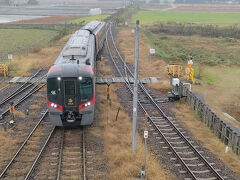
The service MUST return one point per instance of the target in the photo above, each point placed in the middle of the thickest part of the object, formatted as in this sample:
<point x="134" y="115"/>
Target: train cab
<point x="70" y="97"/>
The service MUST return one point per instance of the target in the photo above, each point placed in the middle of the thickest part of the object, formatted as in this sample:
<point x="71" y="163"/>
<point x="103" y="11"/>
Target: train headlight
<point x="59" y="78"/>
<point x="80" y="78"/>
<point x="53" y="105"/>
<point x="87" y="104"/>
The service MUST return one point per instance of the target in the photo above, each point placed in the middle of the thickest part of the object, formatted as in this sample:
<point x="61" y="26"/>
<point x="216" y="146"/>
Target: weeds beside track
<point x="193" y="164"/>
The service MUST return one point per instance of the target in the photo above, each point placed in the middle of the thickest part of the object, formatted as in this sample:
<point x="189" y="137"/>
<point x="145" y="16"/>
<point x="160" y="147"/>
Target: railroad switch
<point x="174" y="94"/>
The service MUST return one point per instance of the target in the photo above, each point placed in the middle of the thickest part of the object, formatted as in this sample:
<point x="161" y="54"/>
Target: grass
<point x="34" y="106"/>
<point x="33" y="114"/>
<point x="104" y="69"/>
<point x="87" y="19"/>
<point x="41" y="59"/>
<point x="203" y="49"/>
<point x="163" y="86"/>
<point x="185" y="114"/>
<point x="19" y="114"/>
<point x="7" y="145"/>
<point x="149" y="67"/>
<point x="221" y="18"/>
<point x="124" y="164"/>
<point x="209" y="78"/>
<point x="27" y="155"/>
<point x="17" y="40"/>
<point x="216" y="65"/>
<point x="222" y="90"/>
<point x="219" y="85"/>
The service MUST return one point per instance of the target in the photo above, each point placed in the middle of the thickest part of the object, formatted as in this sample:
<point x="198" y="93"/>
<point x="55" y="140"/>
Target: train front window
<point x="85" y="89"/>
<point x="53" y="87"/>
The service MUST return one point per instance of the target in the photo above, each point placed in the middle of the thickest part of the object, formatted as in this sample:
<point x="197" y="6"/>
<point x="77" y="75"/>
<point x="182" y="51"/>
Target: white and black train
<point x="71" y="79"/>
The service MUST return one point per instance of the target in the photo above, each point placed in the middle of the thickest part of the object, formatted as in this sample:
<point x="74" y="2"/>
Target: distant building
<point x="18" y="2"/>
<point x="95" y="11"/>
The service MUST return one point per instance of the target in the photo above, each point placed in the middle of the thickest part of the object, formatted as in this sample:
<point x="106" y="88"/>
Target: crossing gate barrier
<point x="174" y="70"/>
<point x="4" y="70"/>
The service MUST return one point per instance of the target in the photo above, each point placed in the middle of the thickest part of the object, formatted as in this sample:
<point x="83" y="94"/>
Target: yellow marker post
<point x="4" y="70"/>
<point x="174" y="70"/>
<point x="190" y="74"/>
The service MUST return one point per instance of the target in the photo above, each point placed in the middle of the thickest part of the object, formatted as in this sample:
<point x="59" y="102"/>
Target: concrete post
<point x="135" y="93"/>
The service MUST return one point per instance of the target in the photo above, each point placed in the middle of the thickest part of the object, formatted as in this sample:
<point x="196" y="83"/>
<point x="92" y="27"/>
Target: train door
<point x="70" y="93"/>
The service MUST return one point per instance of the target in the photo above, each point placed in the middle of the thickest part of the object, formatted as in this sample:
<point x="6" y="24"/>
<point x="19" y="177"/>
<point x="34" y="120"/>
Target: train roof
<point x="70" y="70"/>
<point x="80" y="43"/>
<point x="78" y="51"/>
<point x="93" y="26"/>
<point x="77" y="44"/>
<point x="78" y="48"/>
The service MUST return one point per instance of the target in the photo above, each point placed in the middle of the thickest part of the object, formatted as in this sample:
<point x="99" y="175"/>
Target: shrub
<point x="183" y="57"/>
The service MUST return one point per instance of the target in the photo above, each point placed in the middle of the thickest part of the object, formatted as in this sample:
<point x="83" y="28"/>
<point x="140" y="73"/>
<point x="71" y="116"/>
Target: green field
<point x="89" y="18"/>
<point x="203" y="49"/>
<point x="18" y="40"/>
<point x="185" y="17"/>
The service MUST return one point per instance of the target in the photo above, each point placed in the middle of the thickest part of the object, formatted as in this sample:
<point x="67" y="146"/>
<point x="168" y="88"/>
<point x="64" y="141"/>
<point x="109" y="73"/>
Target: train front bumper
<point x="87" y="116"/>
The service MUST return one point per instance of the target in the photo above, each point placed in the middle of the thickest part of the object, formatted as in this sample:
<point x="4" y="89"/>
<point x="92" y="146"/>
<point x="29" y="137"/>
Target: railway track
<point x="20" y="89"/>
<point x="21" y="93"/>
<point x="72" y="153"/>
<point x="20" y="164"/>
<point x="190" y="161"/>
<point x="64" y="157"/>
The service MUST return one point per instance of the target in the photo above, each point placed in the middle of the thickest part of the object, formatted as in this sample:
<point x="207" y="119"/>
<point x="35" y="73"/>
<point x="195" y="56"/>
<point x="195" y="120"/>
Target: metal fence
<point x="224" y="130"/>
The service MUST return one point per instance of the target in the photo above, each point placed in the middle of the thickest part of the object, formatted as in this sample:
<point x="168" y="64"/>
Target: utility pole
<point x="135" y="93"/>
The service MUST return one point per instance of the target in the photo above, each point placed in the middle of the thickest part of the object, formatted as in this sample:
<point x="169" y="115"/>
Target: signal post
<point x="12" y="109"/>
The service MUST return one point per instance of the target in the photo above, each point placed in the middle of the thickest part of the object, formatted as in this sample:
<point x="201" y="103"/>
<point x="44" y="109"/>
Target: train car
<point x="71" y="79"/>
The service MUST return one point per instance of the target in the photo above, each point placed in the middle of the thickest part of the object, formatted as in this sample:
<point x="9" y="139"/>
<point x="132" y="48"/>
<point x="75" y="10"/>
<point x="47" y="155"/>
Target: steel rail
<point x="23" y="144"/>
<point x="31" y="92"/>
<point x="164" y="116"/>
<point x="40" y="154"/>
<point x="20" y="89"/>
<point x="60" y="156"/>
<point x="84" y="154"/>
<point x="125" y="79"/>
<point x="4" y="87"/>
<point x="145" y="112"/>
<point x="15" y="94"/>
